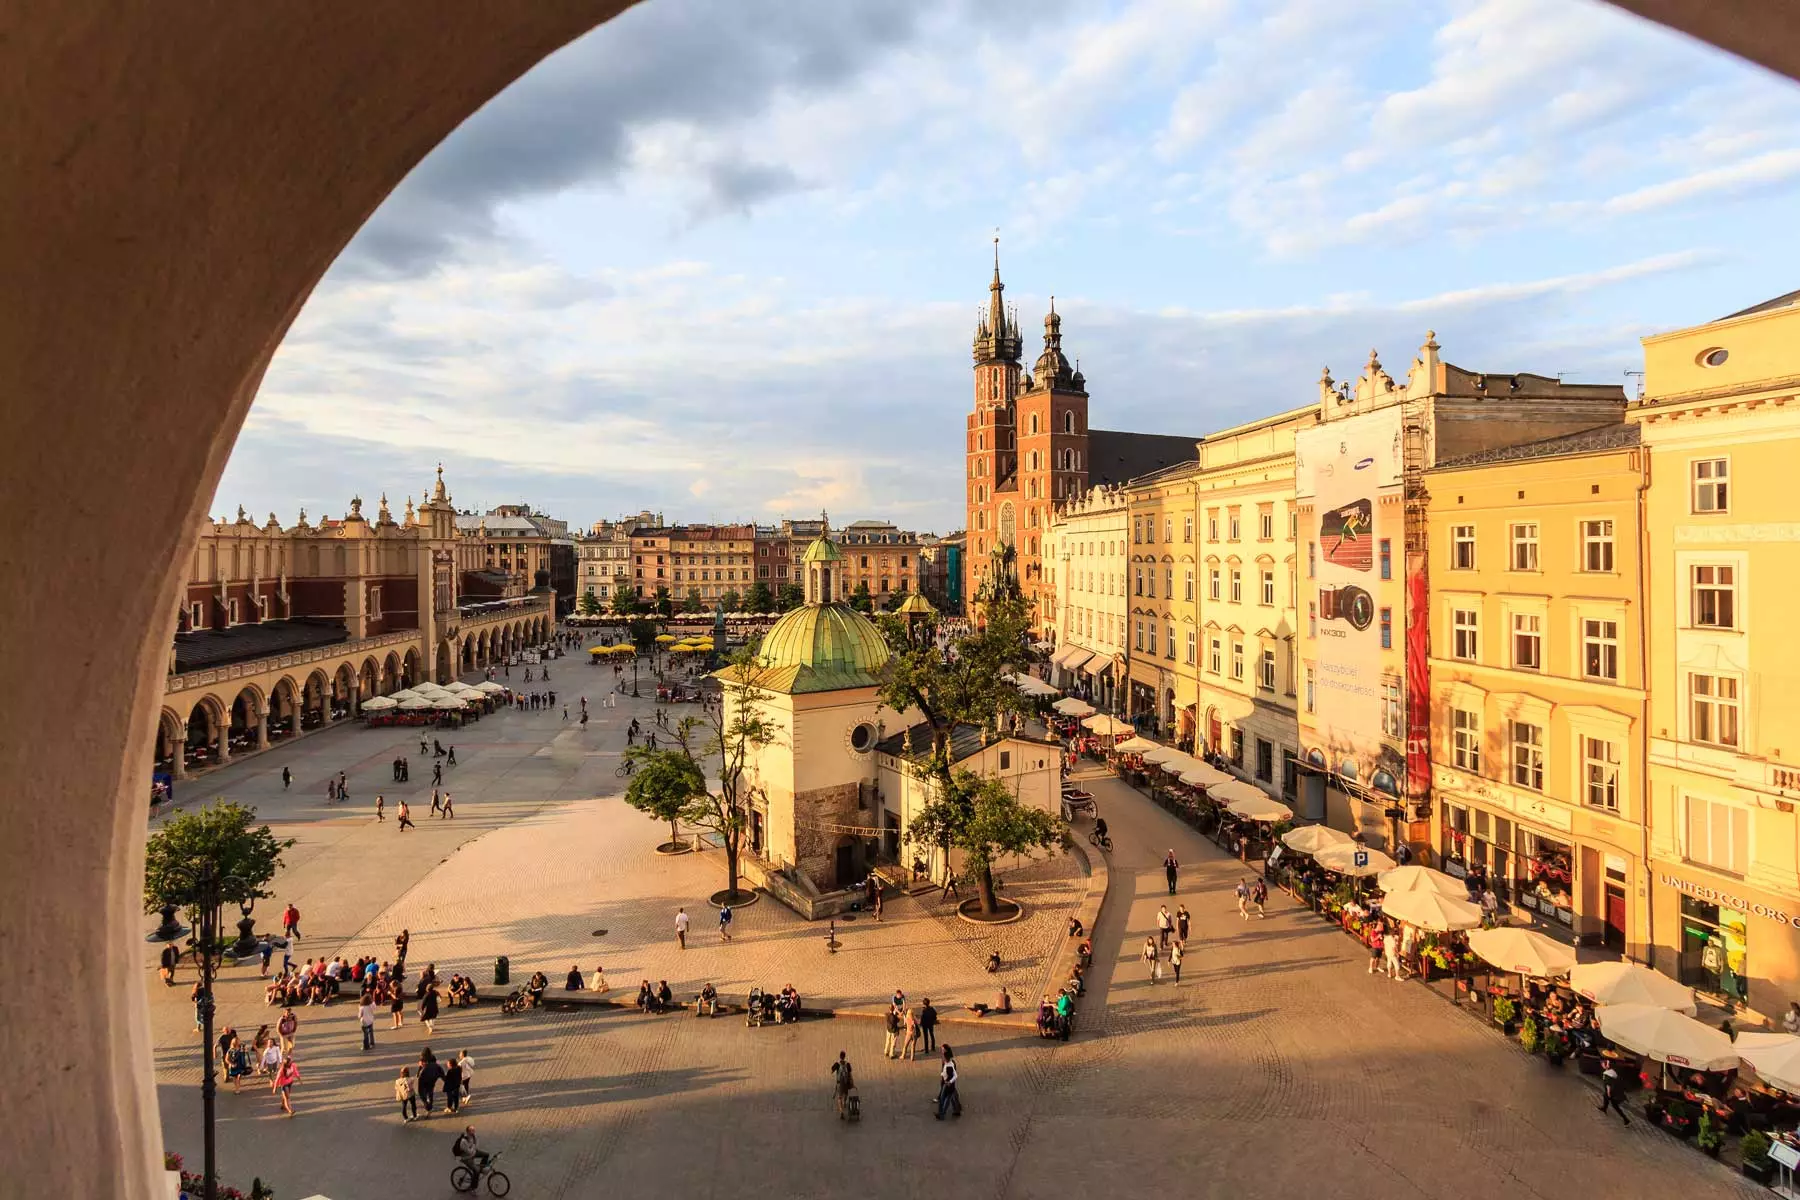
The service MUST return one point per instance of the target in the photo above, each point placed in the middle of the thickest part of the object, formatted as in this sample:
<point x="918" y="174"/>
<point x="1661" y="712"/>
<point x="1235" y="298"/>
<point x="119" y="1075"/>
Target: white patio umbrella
<point x="1137" y="745"/>
<point x="1624" y="983"/>
<point x="379" y="704"/>
<point x="1161" y="754"/>
<point x="1422" y="879"/>
<point x="1775" y="1056"/>
<point x="1069" y="706"/>
<point x="491" y="688"/>
<point x="1201" y="775"/>
<point x="1523" y="950"/>
<point x="1260" y="808"/>
<point x="1671" y="1037"/>
<point x="1106" y="726"/>
<point x="429" y="688"/>
<point x="416" y="704"/>
<point x="1310" y="839"/>
<point x="1234" y="790"/>
<point x="1428" y="910"/>
<point x="1177" y="764"/>
<point x="402" y="694"/>
<point x="459" y="688"/>
<point x="449" y="703"/>
<point x="1342" y="859"/>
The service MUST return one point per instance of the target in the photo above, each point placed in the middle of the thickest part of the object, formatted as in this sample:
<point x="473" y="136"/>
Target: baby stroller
<point x="755" y="1012"/>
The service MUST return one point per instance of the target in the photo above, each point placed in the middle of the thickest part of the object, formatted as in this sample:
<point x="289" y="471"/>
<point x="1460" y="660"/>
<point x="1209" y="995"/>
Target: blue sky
<point x="722" y="258"/>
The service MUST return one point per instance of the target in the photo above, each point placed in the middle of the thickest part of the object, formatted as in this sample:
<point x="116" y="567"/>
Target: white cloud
<point x="1777" y="166"/>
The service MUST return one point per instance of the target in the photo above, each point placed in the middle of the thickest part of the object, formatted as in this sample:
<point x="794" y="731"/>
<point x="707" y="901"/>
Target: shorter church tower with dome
<point x="834" y="790"/>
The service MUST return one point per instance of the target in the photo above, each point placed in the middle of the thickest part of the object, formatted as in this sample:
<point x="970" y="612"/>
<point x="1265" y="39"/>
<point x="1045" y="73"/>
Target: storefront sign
<point x="1727" y="900"/>
<point x="1553" y="815"/>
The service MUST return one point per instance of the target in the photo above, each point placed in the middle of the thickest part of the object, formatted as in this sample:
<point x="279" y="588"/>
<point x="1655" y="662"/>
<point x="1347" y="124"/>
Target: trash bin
<point x="502" y="970"/>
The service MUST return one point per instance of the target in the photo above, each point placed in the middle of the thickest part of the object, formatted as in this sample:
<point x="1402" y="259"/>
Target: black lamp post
<point x="204" y="892"/>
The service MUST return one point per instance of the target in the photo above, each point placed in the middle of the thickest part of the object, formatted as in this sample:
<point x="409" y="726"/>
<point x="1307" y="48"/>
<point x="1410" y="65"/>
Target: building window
<point x="1711" y="483"/>
<point x="1309" y="689"/>
<point x="1267" y="525"/>
<point x="1212" y="529"/>
<point x="1714" y="707"/>
<point x="231" y="613"/>
<point x="1237" y="660"/>
<point x="1528" y="755"/>
<point x="1311" y="560"/>
<point x="1528" y="641"/>
<point x="1237" y="587"/>
<point x="1212" y="584"/>
<point x="1169" y="530"/>
<point x="1600" y="649"/>
<point x="1718" y="835"/>
<point x="1597" y="546"/>
<point x="1151" y="647"/>
<point x="1265" y="760"/>
<point x="1137" y="581"/>
<point x="1465" y="740"/>
<point x="1600" y="770"/>
<point x="1266" y="671"/>
<point x="1168" y="583"/>
<point x="1192" y="646"/>
<point x="1715" y="597"/>
<point x="1187" y="529"/>
<point x="1268" y="588"/>
<point x="1187" y="582"/>
<point x="1392" y="709"/>
<point x="1462" y="547"/>
<point x="1387" y="558"/>
<point x="1312" y="619"/>
<point x="1137" y="634"/>
<point x="1006" y="760"/>
<point x="1214" y="661"/>
<point x="1137" y="531"/>
<point x="1237" y="747"/>
<point x="1525" y="546"/>
<point x="375" y="603"/>
<point x="1169" y="645"/>
<point x="1465" y="634"/>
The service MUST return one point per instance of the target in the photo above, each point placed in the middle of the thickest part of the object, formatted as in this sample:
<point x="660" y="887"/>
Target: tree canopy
<point x="731" y="600"/>
<point x="220" y="833"/>
<point x="588" y="605"/>
<point x="691" y="602"/>
<point x="759" y="599"/>
<point x="792" y="596"/>
<point x="664" y="785"/>
<point x="981" y="817"/>
<point x="862" y="600"/>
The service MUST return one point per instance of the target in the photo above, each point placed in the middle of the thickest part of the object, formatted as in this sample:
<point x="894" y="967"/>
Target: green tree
<point x="664" y="606"/>
<point x="731" y="600"/>
<point x="588" y="605"/>
<point x="860" y="599"/>
<point x="982" y="818"/>
<point x="665" y="783"/>
<point x="759" y="599"/>
<point x="643" y="634"/>
<point x="792" y="597"/>
<point x="624" y="601"/>
<point x="896" y="599"/>
<point x="730" y="736"/>
<point x="691" y="604"/>
<point x="220" y="833"/>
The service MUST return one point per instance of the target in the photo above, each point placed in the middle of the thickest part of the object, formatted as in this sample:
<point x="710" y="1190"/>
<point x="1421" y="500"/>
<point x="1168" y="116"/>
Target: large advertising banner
<point x="1344" y="467"/>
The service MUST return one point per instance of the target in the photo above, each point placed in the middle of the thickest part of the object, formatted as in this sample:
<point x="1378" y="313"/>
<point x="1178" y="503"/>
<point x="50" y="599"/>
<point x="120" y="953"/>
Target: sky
<point x="722" y="259"/>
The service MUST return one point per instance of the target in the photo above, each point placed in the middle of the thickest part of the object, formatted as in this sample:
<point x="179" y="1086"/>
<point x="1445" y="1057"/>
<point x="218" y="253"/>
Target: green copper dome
<point x="823" y="647"/>
<point x="822" y="550"/>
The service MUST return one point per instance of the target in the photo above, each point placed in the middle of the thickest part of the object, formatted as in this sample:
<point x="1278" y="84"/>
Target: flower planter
<point x="1761" y="1172"/>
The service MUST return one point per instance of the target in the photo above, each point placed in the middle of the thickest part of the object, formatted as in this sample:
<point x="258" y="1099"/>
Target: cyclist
<point x="472" y="1157"/>
<point x="1100" y="829"/>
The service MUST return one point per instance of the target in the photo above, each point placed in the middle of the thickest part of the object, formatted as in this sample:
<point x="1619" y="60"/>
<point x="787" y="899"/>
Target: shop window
<point x="1713" y="706"/>
<point x="1392" y="709"/>
<point x="1711" y="485"/>
<point x="1600" y="649"/>
<point x="1547" y="879"/>
<point x="1525" y="546"/>
<point x="1528" y="641"/>
<point x="1597" y="546"/>
<point x="1715" y="949"/>
<point x="1237" y="748"/>
<point x="1462" y="547"/>
<point x="1387" y="558"/>
<point x="1528" y="755"/>
<point x="1718" y="835"/>
<point x="1465" y="740"/>
<point x="1465" y="634"/>
<point x="1600" y="771"/>
<point x="1714" y="596"/>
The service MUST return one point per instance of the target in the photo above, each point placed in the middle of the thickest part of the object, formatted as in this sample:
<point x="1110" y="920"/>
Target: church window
<point x="1006" y="524"/>
<point x="1069" y="422"/>
<point x="1033" y="458"/>
<point x="1034" y="422"/>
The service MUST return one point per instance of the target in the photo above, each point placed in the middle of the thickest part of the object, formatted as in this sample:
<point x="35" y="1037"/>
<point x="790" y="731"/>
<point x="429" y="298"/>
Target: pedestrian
<point x="287" y="777"/>
<point x="265" y="950"/>
<point x="365" y="1016"/>
<point x="437" y="774"/>
<point x="429" y="1075"/>
<point x="405" y="817"/>
<point x="330" y="790"/>
<point x="171" y="955"/>
<point x="1390" y="949"/>
<point x="290" y="922"/>
<point x="406" y="770"/>
<point x="681" y="927"/>
<point x="1171" y="868"/>
<point x="892" y="1021"/>
<point x="1165" y="925"/>
<point x="1181" y="922"/>
<point x="467" y="1063"/>
<point x="270" y="1061"/>
<point x="909" y="1048"/>
<point x="288" y="1027"/>
<point x="452" y="757"/>
<point x="286" y="1076"/>
<point x="1175" y="962"/>
<point x="928" y="1019"/>
<point x="424" y="748"/>
<point x="948" y="1100"/>
<point x="401" y="942"/>
<point x="407" y="1093"/>
<point x="1243" y="899"/>
<point x="724" y="922"/>
<point x="397" y="1001"/>
<point x="1150" y="956"/>
<point x="453" y="1081"/>
<point x="1612" y="1092"/>
<point x="380" y="808"/>
<point x="449" y="808"/>
<point x="1375" y="951"/>
<point x="565" y="712"/>
<point x="437" y="805"/>
<point x="343" y="786"/>
<point x="875" y="895"/>
<point x="1259" y="896"/>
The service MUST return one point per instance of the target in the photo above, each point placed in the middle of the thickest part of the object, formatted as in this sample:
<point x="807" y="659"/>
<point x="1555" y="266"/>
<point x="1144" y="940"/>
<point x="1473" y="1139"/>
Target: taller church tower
<point x="991" y="452"/>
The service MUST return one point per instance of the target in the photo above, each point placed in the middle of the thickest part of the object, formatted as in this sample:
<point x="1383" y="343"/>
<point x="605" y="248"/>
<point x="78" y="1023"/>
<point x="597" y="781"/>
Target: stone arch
<point x="171" y="734"/>
<point x="206" y="723"/>
<point x="466" y="653"/>
<point x="409" y="667"/>
<point x="315" y="700"/>
<point x="368" y="677"/>
<point x="284" y="709"/>
<point x="443" y="662"/>
<point x="343" y="688"/>
<point x="390" y="673"/>
<point x="247" y="718"/>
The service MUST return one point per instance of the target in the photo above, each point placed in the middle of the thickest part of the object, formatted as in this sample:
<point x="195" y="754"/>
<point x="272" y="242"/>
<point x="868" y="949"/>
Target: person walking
<point x="724" y="922"/>
<point x="290" y="922"/>
<point x="928" y="1019"/>
<point x="1375" y="951"/>
<point x="287" y="777"/>
<point x="286" y="1076"/>
<point x="343" y="786"/>
<point x="428" y="1009"/>
<point x="467" y="1063"/>
<point x="449" y="808"/>
<point x="330" y="790"/>
<point x="1171" y="869"/>
<point x="875" y="895"/>
<point x="453" y="1085"/>
<point x="1150" y="956"/>
<point x="1612" y="1092"/>
<point x="406" y="822"/>
<point x="681" y="926"/>
<point x="380" y="808"/>
<point x="1259" y="896"/>
<point x="396" y="1001"/>
<point x="365" y="1016"/>
<point x="1243" y="898"/>
<point x="892" y="1022"/>
<point x="171" y="955"/>
<point x="430" y="1073"/>
<point x="1175" y="962"/>
<point x="265" y="950"/>
<point x="451" y="759"/>
<point x="437" y="774"/>
<point x="437" y="805"/>
<point x="1181" y="922"/>
<point x="288" y="1027"/>
<point x="1165" y="925"/>
<point x="1390" y="950"/>
<point x="948" y="1099"/>
<point x="909" y="1046"/>
<point x="407" y="1093"/>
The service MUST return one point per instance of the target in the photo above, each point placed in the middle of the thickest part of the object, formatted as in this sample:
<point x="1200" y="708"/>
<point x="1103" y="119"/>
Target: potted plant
<point x="1678" y="1118"/>
<point x="1556" y="1047"/>
<point x="1754" y="1148"/>
<point x="1506" y="1014"/>
<point x="1710" y="1135"/>
<point x="1531" y="1036"/>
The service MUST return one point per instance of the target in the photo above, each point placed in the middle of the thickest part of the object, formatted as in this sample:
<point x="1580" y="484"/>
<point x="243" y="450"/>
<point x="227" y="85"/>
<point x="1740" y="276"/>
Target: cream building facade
<point x="1720" y="417"/>
<point x="1537" y="679"/>
<point x="1164" y="605"/>
<point x="1088" y="562"/>
<point x="1247" y="585"/>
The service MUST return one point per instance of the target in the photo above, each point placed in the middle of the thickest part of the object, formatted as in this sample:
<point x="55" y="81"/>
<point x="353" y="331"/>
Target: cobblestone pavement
<point x="1277" y="1065"/>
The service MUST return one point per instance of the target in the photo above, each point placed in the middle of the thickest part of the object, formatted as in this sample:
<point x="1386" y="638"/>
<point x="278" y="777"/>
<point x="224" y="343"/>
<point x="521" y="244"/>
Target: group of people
<point x="658" y="999"/>
<point x="457" y="1077"/>
<point x="266" y="1056"/>
<point x="576" y="981"/>
<point x="1170" y="942"/>
<point x="910" y="1029"/>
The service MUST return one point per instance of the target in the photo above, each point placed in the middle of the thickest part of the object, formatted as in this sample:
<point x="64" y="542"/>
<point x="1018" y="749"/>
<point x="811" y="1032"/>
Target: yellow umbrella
<point x="665" y="638"/>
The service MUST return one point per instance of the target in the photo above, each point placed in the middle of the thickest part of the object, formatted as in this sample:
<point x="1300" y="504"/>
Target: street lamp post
<point x="205" y="893"/>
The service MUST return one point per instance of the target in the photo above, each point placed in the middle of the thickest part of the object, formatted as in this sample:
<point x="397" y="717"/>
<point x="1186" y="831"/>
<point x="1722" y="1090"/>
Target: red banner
<point x="1418" y="680"/>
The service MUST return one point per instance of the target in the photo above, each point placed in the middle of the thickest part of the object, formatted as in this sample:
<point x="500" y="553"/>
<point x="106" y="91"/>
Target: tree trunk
<point x="674" y="833"/>
<point x="731" y="864"/>
<point x="984" y="885"/>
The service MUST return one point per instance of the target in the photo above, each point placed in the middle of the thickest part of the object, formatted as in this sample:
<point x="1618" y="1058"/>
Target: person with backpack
<point x="466" y="1149"/>
<point x="845" y="1081"/>
<point x="724" y="922"/>
<point x="948" y="1099"/>
<point x="407" y="1093"/>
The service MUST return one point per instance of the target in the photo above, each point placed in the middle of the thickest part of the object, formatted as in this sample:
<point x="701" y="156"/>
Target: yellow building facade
<point x="1248" y="678"/>
<point x="1537" y="679"/>
<point x="1163" y="609"/>
<point x="1720" y="417"/>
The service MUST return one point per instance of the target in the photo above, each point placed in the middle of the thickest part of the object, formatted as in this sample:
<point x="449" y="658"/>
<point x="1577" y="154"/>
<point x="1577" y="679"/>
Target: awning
<point x="1070" y="657"/>
<point x="1097" y="664"/>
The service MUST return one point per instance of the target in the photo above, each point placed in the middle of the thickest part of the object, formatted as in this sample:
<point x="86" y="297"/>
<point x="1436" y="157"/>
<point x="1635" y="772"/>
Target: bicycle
<point x="463" y="1177"/>
<point x="1102" y="840"/>
<point x="625" y="769"/>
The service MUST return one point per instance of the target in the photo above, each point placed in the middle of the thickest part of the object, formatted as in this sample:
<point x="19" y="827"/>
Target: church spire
<point x="997" y="332"/>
